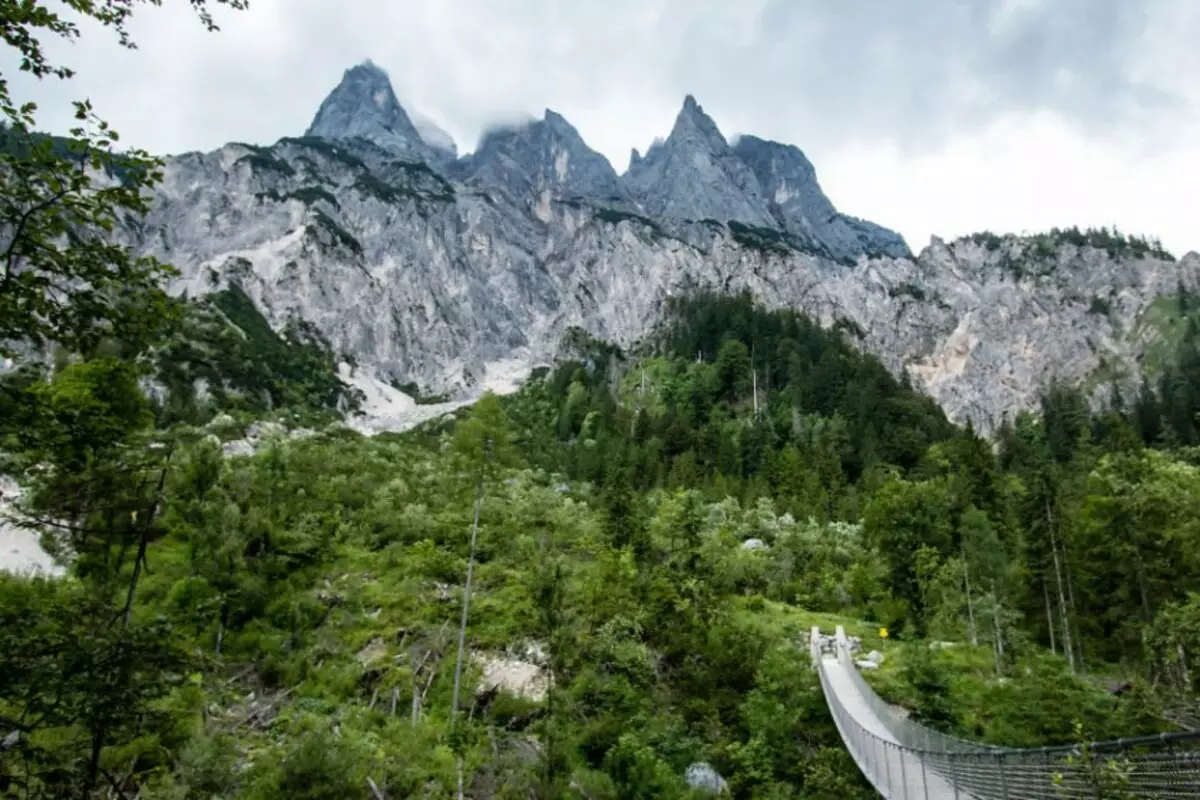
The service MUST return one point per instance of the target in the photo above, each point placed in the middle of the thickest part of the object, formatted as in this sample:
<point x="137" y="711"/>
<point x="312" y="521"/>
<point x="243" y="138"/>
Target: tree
<point x="733" y="371"/>
<point x="899" y="519"/>
<point x="77" y="682"/>
<point x="64" y="280"/>
<point x="82" y="672"/>
<point x="1137" y="540"/>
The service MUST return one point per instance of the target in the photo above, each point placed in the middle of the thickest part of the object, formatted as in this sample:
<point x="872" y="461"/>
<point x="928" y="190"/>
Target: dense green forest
<point x="250" y="626"/>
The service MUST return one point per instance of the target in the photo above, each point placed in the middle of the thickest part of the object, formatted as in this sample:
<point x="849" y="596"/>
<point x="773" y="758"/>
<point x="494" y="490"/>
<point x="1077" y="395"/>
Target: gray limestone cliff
<point x="459" y="276"/>
<point x="788" y="180"/>
<point x="363" y="105"/>
<point x="541" y="162"/>
<point x="694" y="175"/>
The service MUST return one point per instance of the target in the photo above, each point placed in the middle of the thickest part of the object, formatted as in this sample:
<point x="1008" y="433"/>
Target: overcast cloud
<point x="928" y="116"/>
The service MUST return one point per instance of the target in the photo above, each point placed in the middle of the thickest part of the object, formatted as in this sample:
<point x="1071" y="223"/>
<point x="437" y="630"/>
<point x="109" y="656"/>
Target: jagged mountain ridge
<point x="446" y="274"/>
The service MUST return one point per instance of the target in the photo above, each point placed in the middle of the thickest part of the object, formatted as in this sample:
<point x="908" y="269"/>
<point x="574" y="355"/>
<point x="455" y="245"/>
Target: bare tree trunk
<point x="221" y="627"/>
<point x="1049" y="615"/>
<point x="1071" y="605"/>
<point x="1062" y="597"/>
<point x="140" y="559"/>
<point x="94" y="761"/>
<point x="999" y="633"/>
<point x="462" y="628"/>
<point x="466" y="604"/>
<point x="970" y="607"/>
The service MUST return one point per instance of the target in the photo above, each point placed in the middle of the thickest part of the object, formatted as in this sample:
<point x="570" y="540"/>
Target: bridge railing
<point x="886" y="765"/>
<point x="1163" y="767"/>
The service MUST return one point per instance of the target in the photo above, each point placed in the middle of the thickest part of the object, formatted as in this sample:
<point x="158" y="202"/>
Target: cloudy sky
<point x="928" y="116"/>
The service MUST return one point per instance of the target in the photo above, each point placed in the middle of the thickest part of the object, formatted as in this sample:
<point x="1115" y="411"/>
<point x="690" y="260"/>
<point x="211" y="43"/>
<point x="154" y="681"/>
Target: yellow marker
<point x="883" y="633"/>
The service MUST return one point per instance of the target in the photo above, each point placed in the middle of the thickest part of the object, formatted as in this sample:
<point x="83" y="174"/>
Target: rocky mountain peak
<point x="363" y="105"/>
<point x="695" y="175"/>
<point x="542" y="160"/>
<point x="692" y="118"/>
<point x="788" y="182"/>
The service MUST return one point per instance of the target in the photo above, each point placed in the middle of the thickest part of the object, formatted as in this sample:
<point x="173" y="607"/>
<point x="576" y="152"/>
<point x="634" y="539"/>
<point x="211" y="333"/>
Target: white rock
<point x="514" y="675"/>
<point x="703" y="776"/>
<point x="238" y="447"/>
<point x="265" y="430"/>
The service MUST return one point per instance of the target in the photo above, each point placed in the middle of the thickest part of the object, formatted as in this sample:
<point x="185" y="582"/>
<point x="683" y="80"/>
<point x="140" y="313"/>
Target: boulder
<point x="702" y="776"/>
<point x="265" y="430"/>
<point x="238" y="447"/>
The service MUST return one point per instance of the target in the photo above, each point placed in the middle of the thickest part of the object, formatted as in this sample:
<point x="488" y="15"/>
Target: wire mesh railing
<point x="912" y="761"/>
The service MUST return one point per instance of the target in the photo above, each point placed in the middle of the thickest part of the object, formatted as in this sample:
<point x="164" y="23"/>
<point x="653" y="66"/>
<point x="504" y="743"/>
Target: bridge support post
<point x="1000" y="772"/>
<point x="925" y="780"/>
<point x="903" y="772"/>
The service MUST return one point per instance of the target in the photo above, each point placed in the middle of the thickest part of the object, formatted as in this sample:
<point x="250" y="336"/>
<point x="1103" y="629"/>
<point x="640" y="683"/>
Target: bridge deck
<point x="895" y="772"/>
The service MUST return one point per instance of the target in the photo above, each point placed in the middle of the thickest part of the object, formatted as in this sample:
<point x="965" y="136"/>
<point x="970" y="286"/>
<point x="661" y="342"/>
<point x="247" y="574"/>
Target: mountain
<point x="789" y="182"/>
<point x="451" y="276"/>
<point x="543" y="161"/>
<point x="364" y="106"/>
<point x="694" y="175"/>
<point x="442" y="143"/>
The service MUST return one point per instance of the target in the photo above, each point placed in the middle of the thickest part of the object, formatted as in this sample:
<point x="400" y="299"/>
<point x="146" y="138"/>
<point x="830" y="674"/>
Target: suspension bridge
<point x="907" y="761"/>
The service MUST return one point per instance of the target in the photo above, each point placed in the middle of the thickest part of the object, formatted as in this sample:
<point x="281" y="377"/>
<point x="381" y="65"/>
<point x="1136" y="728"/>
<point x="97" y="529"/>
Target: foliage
<point x="657" y="530"/>
<point x="339" y="235"/>
<point x="309" y="195"/>
<point x="64" y="281"/>
<point x="223" y="344"/>
<point x="1037" y="255"/>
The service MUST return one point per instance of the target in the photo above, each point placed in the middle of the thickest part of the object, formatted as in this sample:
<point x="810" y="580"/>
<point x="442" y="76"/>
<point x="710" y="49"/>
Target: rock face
<point x="541" y="163"/>
<point x="694" y="175"/>
<point x="444" y="147"/>
<point x="363" y="105"/>
<point x="789" y="182"/>
<point x="455" y="276"/>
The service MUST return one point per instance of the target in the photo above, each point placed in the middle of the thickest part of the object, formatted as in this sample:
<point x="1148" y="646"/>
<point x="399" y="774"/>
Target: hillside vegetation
<point x="294" y="620"/>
